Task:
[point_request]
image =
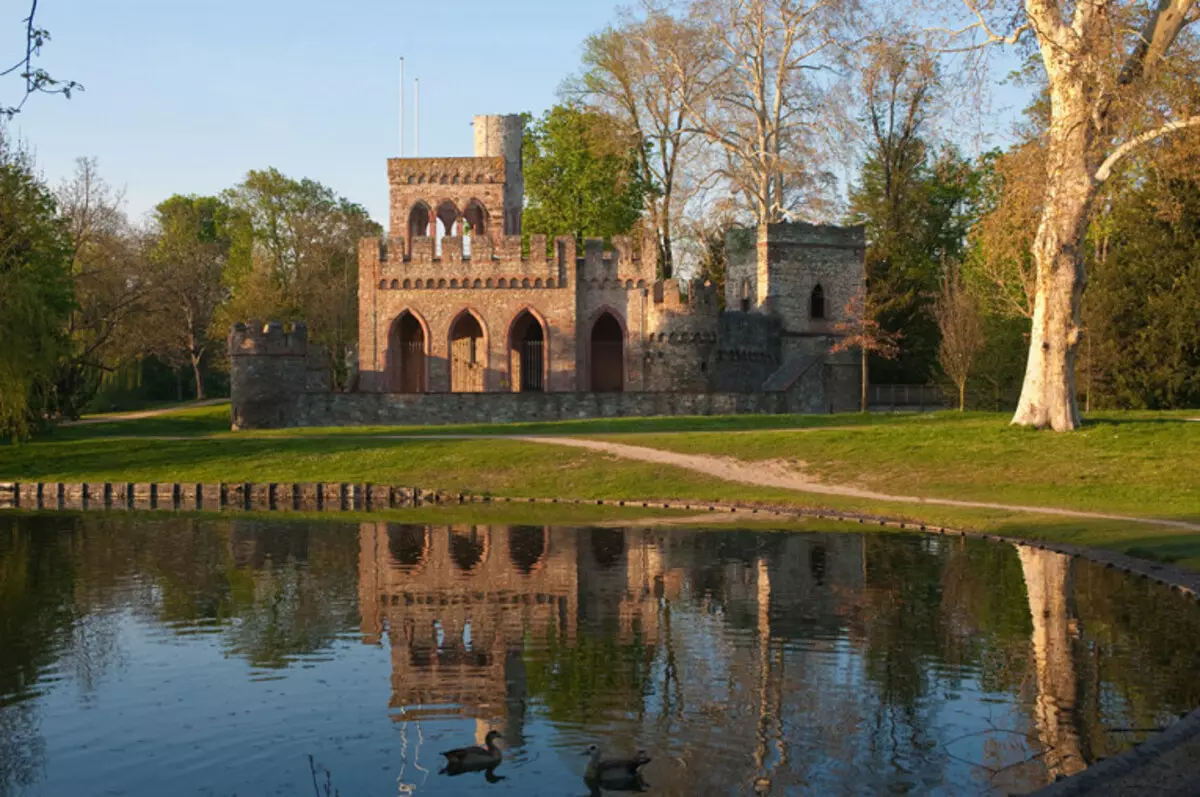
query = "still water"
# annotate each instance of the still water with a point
(152, 655)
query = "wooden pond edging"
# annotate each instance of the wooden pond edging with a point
(352, 497)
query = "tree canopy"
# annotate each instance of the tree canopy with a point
(582, 175)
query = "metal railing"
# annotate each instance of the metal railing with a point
(906, 397)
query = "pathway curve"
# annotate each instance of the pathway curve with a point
(139, 414)
(760, 474)
(767, 474)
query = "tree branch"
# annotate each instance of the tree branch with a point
(1105, 170)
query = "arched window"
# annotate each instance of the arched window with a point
(407, 545)
(816, 304)
(745, 297)
(418, 221)
(476, 217)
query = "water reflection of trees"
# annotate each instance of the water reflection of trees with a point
(773, 654)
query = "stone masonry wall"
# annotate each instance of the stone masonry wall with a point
(567, 294)
(746, 353)
(350, 409)
(797, 257)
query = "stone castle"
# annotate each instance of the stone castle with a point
(456, 323)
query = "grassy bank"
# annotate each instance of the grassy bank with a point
(1133, 464)
(1130, 463)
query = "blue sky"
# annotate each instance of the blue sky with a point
(186, 97)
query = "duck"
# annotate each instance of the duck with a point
(476, 757)
(615, 770)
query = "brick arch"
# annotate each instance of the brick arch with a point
(528, 548)
(417, 223)
(515, 354)
(409, 547)
(469, 547)
(476, 214)
(469, 363)
(404, 374)
(604, 367)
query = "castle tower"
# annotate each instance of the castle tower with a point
(501, 136)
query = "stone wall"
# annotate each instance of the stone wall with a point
(795, 258)
(747, 351)
(269, 367)
(359, 409)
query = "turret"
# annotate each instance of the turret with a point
(502, 136)
(268, 372)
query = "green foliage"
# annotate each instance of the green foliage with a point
(999, 367)
(35, 296)
(297, 259)
(1143, 301)
(197, 238)
(581, 176)
(917, 214)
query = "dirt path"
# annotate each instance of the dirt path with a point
(133, 416)
(760, 474)
(767, 474)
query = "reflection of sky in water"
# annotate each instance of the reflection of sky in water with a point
(216, 657)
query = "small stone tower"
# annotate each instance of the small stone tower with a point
(271, 370)
(501, 136)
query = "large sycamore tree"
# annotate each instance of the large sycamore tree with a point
(1118, 77)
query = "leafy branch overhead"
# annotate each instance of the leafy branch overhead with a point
(36, 80)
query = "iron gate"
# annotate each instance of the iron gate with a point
(532, 353)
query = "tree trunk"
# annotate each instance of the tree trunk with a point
(1048, 398)
(199, 380)
(866, 385)
(962, 395)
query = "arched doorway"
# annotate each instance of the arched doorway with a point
(467, 548)
(407, 545)
(406, 355)
(468, 354)
(527, 353)
(526, 547)
(608, 355)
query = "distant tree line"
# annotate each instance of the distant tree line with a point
(703, 114)
(686, 117)
(99, 312)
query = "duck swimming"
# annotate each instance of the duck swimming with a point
(476, 757)
(619, 770)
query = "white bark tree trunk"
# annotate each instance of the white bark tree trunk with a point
(1050, 588)
(1048, 394)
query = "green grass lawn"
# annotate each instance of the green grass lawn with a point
(214, 419)
(1135, 464)
(1123, 463)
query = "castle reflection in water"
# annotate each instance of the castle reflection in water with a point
(457, 603)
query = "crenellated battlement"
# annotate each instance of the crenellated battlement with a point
(619, 266)
(256, 339)
(484, 263)
(446, 171)
(700, 298)
(386, 264)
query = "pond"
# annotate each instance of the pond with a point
(158, 654)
